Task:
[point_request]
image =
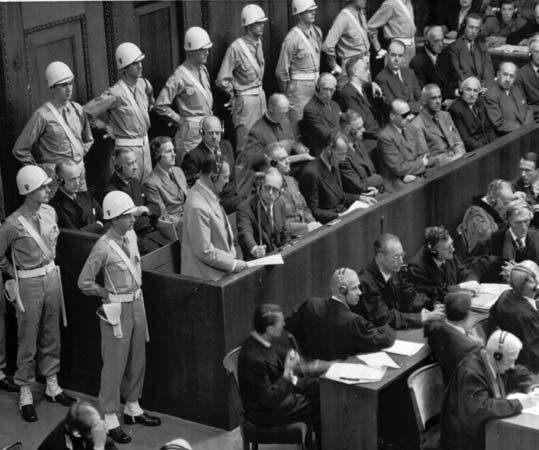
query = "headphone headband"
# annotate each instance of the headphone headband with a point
(498, 354)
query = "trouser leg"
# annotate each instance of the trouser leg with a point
(82, 186)
(247, 110)
(2, 333)
(187, 137)
(299, 93)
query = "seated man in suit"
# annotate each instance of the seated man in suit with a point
(527, 32)
(470, 116)
(435, 270)
(321, 114)
(397, 81)
(527, 79)
(451, 340)
(383, 300)
(326, 329)
(213, 145)
(261, 218)
(469, 55)
(357, 170)
(270, 390)
(75, 209)
(476, 394)
(516, 312)
(402, 154)
(125, 179)
(357, 95)
(431, 65)
(321, 182)
(505, 102)
(436, 127)
(207, 241)
(528, 181)
(299, 218)
(166, 187)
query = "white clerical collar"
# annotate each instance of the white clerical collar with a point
(260, 339)
(456, 327)
(385, 275)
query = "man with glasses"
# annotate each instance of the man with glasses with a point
(527, 79)
(262, 226)
(402, 155)
(384, 301)
(470, 116)
(436, 127)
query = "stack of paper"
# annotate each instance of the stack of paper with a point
(378, 360)
(271, 260)
(356, 205)
(350, 373)
(487, 296)
(404, 348)
(517, 395)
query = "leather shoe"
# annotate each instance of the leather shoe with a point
(62, 398)
(142, 419)
(28, 413)
(118, 435)
(7, 384)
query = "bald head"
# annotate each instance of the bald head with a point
(503, 349)
(400, 114)
(344, 284)
(524, 277)
(278, 107)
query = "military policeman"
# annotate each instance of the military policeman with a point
(241, 74)
(6, 382)
(299, 62)
(188, 90)
(59, 128)
(123, 109)
(123, 325)
(29, 235)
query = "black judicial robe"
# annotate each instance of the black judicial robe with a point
(327, 329)
(513, 313)
(470, 401)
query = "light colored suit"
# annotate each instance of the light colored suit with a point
(507, 112)
(207, 242)
(161, 190)
(442, 138)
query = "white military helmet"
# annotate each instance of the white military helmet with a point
(117, 203)
(58, 72)
(252, 14)
(178, 444)
(30, 178)
(196, 38)
(128, 53)
(299, 6)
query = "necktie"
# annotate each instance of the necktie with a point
(64, 114)
(200, 76)
(171, 176)
(398, 74)
(270, 216)
(471, 47)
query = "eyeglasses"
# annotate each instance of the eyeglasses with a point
(405, 115)
(398, 257)
(272, 189)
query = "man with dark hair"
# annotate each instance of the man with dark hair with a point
(326, 328)
(527, 78)
(270, 390)
(528, 31)
(500, 25)
(383, 299)
(450, 340)
(528, 181)
(435, 270)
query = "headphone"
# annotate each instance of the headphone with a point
(201, 127)
(498, 354)
(433, 237)
(519, 268)
(343, 288)
(73, 423)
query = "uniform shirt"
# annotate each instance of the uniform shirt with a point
(117, 277)
(186, 97)
(28, 254)
(237, 74)
(44, 130)
(347, 37)
(114, 108)
(297, 57)
(397, 18)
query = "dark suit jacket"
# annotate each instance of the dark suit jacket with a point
(192, 162)
(392, 87)
(526, 32)
(319, 120)
(528, 82)
(249, 227)
(448, 346)
(56, 440)
(441, 74)
(466, 64)
(350, 98)
(475, 130)
(513, 313)
(323, 191)
(358, 172)
(80, 214)
(507, 112)
(327, 329)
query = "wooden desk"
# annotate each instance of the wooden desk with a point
(520, 432)
(518, 58)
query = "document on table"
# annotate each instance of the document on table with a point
(405, 348)
(271, 260)
(488, 295)
(356, 205)
(350, 373)
(517, 395)
(378, 360)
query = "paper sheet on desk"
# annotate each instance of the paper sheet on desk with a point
(517, 395)
(378, 360)
(405, 348)
(356, 205)
(349, 373)
(512, 48)
(271, 260)
(487, 296)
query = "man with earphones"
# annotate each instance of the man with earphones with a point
(261, 218)
(527, 78)
(327, 329)
(516, 310)
(476, 393)
(212, 145)
(207, 242)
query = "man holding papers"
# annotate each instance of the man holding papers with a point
(327, 329)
